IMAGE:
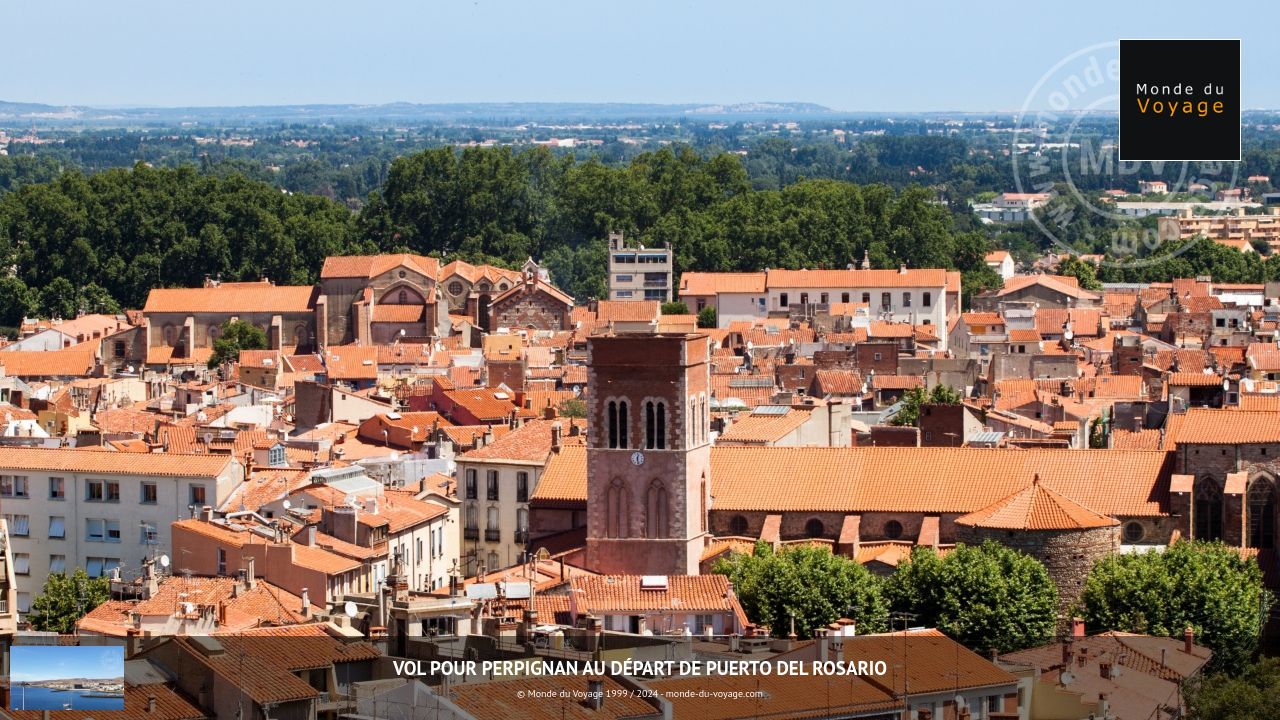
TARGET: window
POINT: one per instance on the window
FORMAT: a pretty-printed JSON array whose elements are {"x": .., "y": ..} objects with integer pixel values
[
  {"x": 866, "y": 298},
  {"x": 19, "y": 525},
  {"x": 655, "y": 425},
  {"x": 1208, "y": 510},
  {"x": 94, "y": 529},
  {"x": 491, "y": 484},
  {"x": 113, "y": 530},
  {"x": 822, "y": 298},
  {"x": 624, "y": 293},
  {"x": 471, "y": 485},
  {"x": 906, "y": 299},
  {"x": 804, "y": 298},
  {"x": 57, "y": 488},
  {"x": 419, "y": 555},
  {"x": 24, "y": 602},
  {"x": 886, "y": 300},
  {"x": 197, "y": 495},
  {"x": 893, "y": 529},
  {"x": 623, "y": 278},
  {"x": 617, "y": 421},
  {"x": 471, "y": 517},
  {"x": 93, "y": 490},
  {"x": 493, "y": 560},
  {"x": 783, "y": 300},
  {"x": 814, "y": 528},
  {"x": 927, "y": 300},
  {"x": 119, "y": 348},
  {"x": 1134, "y": 532},
  {"x": 149, "y": 535},
  {"x": 844, "y": 297},
  {"x": 1261, "y": 509},
  {"x": 522, "y": 487},
  {"x": 222, "y": 561},
  {"x": 148, "y": 493},
  {"x": 13, "y": 486},
  {"x": 113, "y": 491},
  {"x": 57, "y": 527},
  {"x": 57, "y": 564},
  {"x": 737, "y": 525},
  {"x": 617, "y": 523},
  {"x": 21, "y": 564},
  {"x": 276, "y": 455}
]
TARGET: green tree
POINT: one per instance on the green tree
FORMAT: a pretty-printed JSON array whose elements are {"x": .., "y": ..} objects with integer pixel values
[
  {"x": 987, "y": 597},
  {"x": 1208, "y": 587},
  {"x": 65, "y": 599},
  {"x": 913, "y": 399},
  {"x": 16, "y": 301},
  {"x": 807, "y": 584},
  {"x": 1252, "y": 695},
  {"x": 236, "y": 335},
  {"x": 59, "y": 299},
  {"x": 707, "y": 318},
  {"x": 1085, "y": 272},
  {"x": 675, "y": 308},
  {"x": 573, "y": 408}
]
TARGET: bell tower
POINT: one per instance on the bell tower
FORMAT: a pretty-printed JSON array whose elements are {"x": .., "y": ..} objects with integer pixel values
[{"x": 648, "y": 452}]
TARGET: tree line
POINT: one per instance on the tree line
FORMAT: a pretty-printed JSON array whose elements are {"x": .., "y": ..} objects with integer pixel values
[{"x": 100, "y": 242}]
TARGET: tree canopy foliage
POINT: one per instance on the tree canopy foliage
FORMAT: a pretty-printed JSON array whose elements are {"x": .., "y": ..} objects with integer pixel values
[
  {"x": 1254, "y": 694},
  {"x": 987, "y": 597},
  {"x": 807, "y": 585},
  {"x": 65, "y": 599},
  {"x": 913, "y": 399},
  {"x": 1206, "y": 586},
  {"x": 236, "y": 335}
]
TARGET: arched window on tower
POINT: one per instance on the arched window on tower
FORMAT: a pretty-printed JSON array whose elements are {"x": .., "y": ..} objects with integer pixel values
[
  {"x": 1262, "y": 512},
  {"x": 655, "y": 425},
  {"x": 624, "y": 439},
  {"x": 616, "y": 510},
  {"x": 611, "y": 411},
  {"x": 1208, "y": 509},
  {"x": 657, "y": 516}
]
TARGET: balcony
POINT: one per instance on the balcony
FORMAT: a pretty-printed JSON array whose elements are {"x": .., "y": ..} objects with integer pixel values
[
  {"x": 471, "y": 533},
  {"x": 522, "y": 537},
  {"x": 492, "y": 535}
]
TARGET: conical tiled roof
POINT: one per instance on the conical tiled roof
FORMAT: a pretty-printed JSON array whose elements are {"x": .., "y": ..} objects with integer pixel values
[{"x": 1036, "y": 507}]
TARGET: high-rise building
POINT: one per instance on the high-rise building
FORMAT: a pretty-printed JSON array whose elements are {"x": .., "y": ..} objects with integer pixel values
[{"x": 639, "y": 273}]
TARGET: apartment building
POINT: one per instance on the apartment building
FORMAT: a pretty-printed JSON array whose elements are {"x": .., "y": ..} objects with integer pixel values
[
  {"x": 69, "y": 509},
  {"x": 1235, "y": 229},
  {"x": 639, "y": 273},
  {"x": 497, "y": 481}
]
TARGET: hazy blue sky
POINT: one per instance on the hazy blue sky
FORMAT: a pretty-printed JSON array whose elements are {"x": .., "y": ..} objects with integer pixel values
[
  {"x": 846, "y": 55},
  {"x": 52, "y": 662}
]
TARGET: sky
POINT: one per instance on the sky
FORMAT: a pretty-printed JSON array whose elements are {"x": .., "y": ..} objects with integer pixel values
[
  {"x": 851, "y": 56},
  {"x": 53, "y": 662}
]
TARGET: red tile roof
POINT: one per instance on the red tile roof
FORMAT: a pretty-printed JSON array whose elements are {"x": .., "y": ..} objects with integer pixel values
[
  {"x": 887, "y": 479},
  {"x": 85, "y": 461},
  {"x": 75, "y": 361},
  {"x": 368, "y": 266},
  {"x": 1209, "y": 426},
  {"x": 785, "y": 279},
  {"x": 628, "y": 311},
  {"x": 1036, "y": 507},
  {"x": 247, "y": 297},
  {"x": 529, "y": 443},
  {"x": 392, "y": 313},
  {"x": 700, "y": 283},
  {"x": 613, "y": 594}
]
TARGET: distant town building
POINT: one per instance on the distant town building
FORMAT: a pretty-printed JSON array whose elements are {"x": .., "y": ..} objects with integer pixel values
[{"x": 1011, "y": 207}]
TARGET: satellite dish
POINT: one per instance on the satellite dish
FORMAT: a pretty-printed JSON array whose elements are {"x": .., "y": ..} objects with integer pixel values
[
  {"x": 187, "y": 608},
  {"x": 1068, "y": 334},
  {"x": 164, "y": 561},
  {"x": 286, "y": 504},
  {"x": 350, "y": 609}
]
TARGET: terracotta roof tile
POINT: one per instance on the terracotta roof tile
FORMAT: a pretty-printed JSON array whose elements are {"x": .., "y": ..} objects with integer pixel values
[
  {"x": 628, "y": 311},
  {"x": 232, "y": 298},
  {"x": 1209, "y": 426},
  {"x": 351, "y": 362},
  {"x": 1140, "y": 440},
  {"x": 611, "y": 594},
  {"x": 75, "y": 361},
  {"x": 1036, "y": 507},
  {"x": 707, "y": 283},
  {"x": 759, "y": 429},
  {"x": 886, "y": 479},
  {"x": 531, "y": 442},
  {"x": 367, "y": 266},
  {"x": 784, "y": 279},
  {"x": 84, "y": 461}
]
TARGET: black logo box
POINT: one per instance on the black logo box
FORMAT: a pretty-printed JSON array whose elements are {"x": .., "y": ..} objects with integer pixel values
[{"x": 1189, "y": 65}]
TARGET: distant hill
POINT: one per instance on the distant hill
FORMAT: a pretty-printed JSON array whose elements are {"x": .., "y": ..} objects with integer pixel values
[{"x": 18, "y": 114}]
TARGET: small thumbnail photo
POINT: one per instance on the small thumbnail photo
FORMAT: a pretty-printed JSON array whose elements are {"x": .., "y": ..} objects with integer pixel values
[{"x": 56, "y": 677}]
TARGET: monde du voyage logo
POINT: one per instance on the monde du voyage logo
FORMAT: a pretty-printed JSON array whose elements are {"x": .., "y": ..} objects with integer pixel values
[{"x": 1180, "y": 100}]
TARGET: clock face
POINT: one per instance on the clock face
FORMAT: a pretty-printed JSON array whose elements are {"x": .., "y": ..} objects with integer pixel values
[{"x": 637, "y": 458}]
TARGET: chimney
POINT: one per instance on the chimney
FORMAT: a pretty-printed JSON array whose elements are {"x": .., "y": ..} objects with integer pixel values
[
  {"x": 311, "y": 536},
  {"x": 595, "y": 694},
  {"x": 222, "y": 616},
  {"x": 1077, "y": 627},
  {"x": 151, "y": 704},
  {"x": 549, "y": 412},
  {"x": 306, "y": 604},
  {"x": 206, "y": 513},
  {"x": 1188, "y": 639},
  {"x": 820, "y": 635},
  {"x": 373, "y": 506},
  {"x": 1104, "y": 707},
  {"x": 1067, "y": 652},
  {"x": 555, "y": 437},
  {"x": 902, "y": 269},
  {"x": 250, "y": 581}
]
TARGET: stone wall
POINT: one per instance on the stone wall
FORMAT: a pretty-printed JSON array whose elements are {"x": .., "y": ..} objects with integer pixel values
[{"x": 1068, "y": 555}]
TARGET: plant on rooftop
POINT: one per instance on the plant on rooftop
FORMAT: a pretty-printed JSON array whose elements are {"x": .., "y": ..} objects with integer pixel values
[{"x": 65, "y": 599}]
